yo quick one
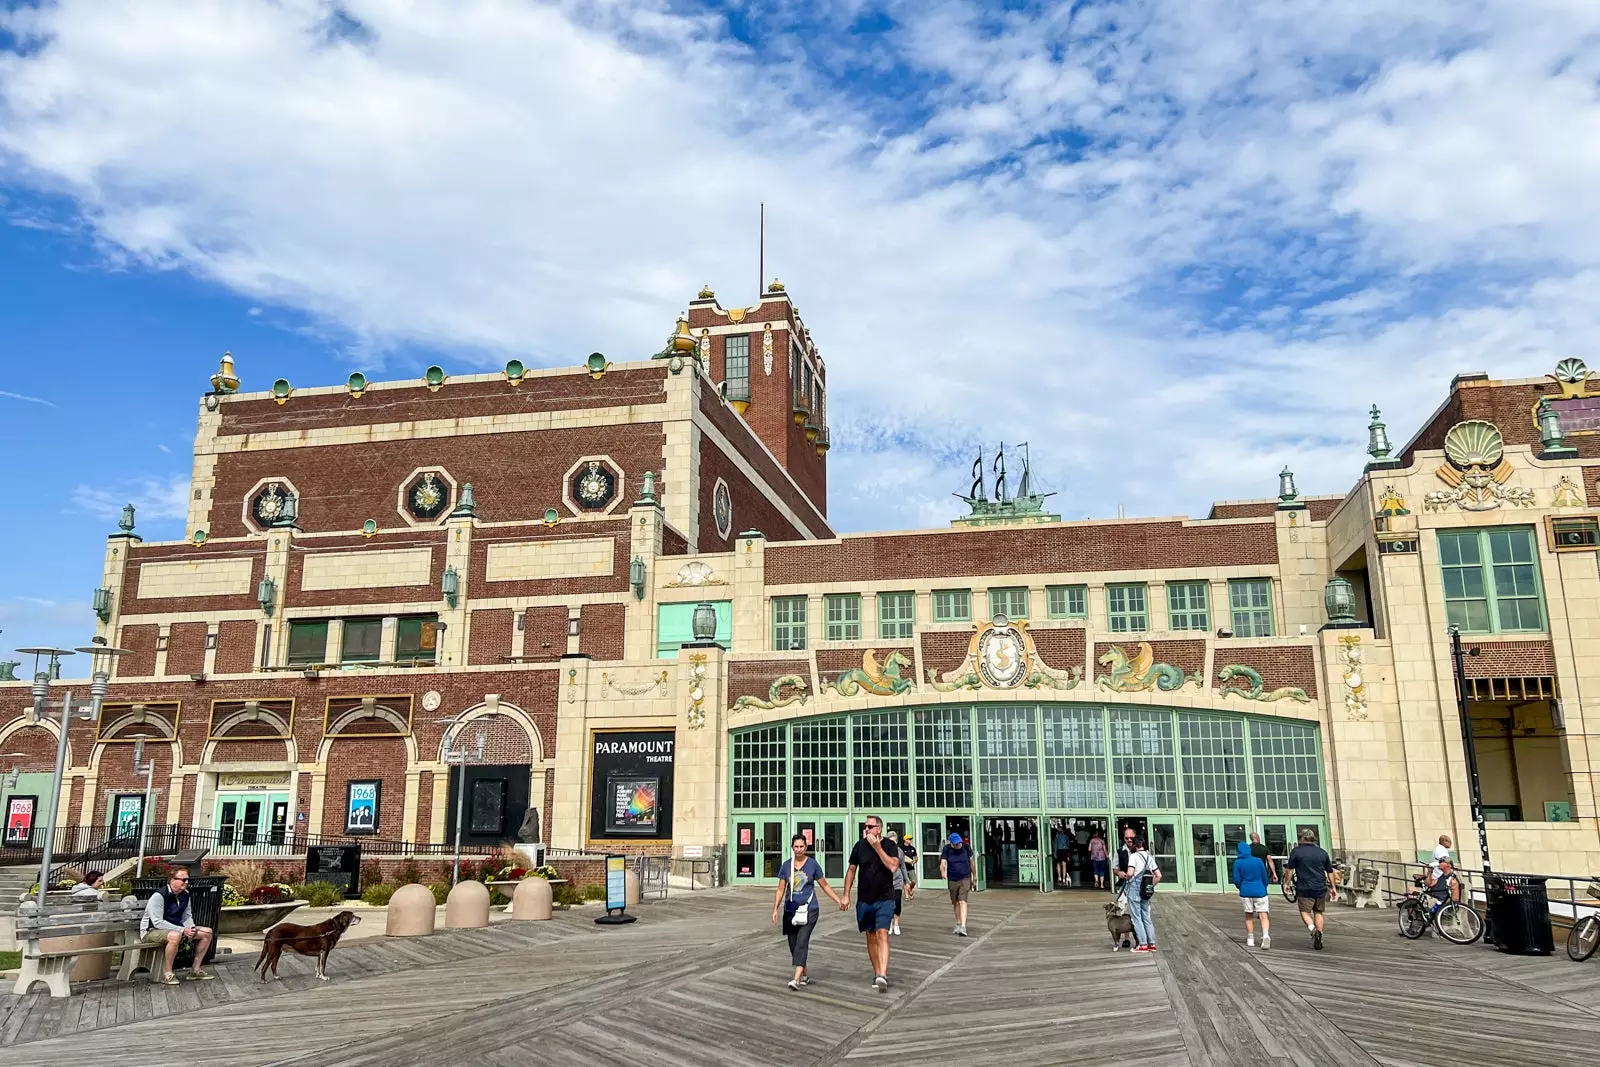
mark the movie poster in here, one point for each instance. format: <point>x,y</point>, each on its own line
<point>630,784</point>
<point>635,805</point>
<point>361,807</point>
<point>19,819</point>
<point>129,813</point>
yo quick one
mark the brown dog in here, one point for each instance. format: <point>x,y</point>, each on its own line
<point>1118,924</point>
<point>315,941</point>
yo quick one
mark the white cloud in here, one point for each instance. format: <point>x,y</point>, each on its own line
<point>29,399</point>
<point>156,499</point>
<point>1174,246</point>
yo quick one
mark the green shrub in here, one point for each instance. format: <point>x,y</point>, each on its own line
<point>497,898</point>
<point>594,892</point>
<point>378,894</point>
<point>441,891</point>
<point>319,894</point>
<point>409,873</point>
<point>568,894</point>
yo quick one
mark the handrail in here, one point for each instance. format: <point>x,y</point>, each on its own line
<point>1395,880</point>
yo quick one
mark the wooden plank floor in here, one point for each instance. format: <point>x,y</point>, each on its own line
<point>698,982</point>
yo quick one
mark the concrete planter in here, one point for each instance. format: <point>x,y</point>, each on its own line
<point>254,918</point>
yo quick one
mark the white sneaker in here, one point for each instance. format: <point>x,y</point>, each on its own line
<point>1266,943</point>
<point>962,929</point>
<point>881,984</point>
<point>894,928</point>
<point>1250,942</point>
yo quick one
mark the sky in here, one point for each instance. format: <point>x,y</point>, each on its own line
<point>1175,246</point>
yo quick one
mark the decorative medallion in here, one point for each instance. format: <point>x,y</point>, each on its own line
<point>695,573</point>
<point>268,505</point>
<point>1001,655</point>
<point>1355,697</point>
<point>431,700</point>
<point>879,680</point>
<point>1141,673</point>
<point>1568,494</point>
<point>595,486</point>
<point>1476,472</point>
<point>427,496</point>
<point>766,349</point>
<point>369,528</point>
<point>705,350</point>
<point>722,508</point>
<point>697,692</point>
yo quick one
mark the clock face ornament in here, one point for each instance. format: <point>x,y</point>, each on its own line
<point>594,486</point>
<point>269,504</point>
<point>722,509</point>
<point>428,496</point>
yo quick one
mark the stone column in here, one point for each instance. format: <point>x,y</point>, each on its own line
<point>699,806</point>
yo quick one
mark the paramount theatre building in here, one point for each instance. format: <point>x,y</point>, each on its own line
<point>622,577</point>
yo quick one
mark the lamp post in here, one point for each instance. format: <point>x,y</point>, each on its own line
<point>1458,658</point>
<point>461,757</point>
<point>149,769</point>
<point>99,683</point>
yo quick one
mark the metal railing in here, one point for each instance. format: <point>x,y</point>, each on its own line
<point>1391,881</point>
<point>653,872</point>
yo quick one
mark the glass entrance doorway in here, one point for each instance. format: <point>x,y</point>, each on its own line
<point>1071,842</point>
<point>933,833</point>
<point>1161,833</point>
<point>251,820</point>
<point>1011,855</point>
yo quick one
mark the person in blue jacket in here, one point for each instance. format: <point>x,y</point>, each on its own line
<point>1250,875</point>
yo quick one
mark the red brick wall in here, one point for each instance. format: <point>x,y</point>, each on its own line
<point>186,648</point>
<point>363,758</point>
<point>139,555</point>
<point>513,475</point>
<point>752,510</point>
<point>140,642</point>
<point>249,751</point>
<point>424,807</point>
<point>601,634</point>
<point>674,543</point>
<point>1061,648</point>
<point>1509,659</point>
<point>1318,507</point>
<point>491,635</point>
<point>31,750</point>
<point>615,582</point>
<point>236,646</point>
<point>746,443</point>
<point>1187,656</point>
<point>1509,407</point>
<point>1024,550</point>
<point>74,800</point>
<point>1278,667</point>
<point>456,400</point>
<point>1591,485</point>
<point>755,677</point>
<point>545,634</point>
<point>117,776</point>
<point>507,742</point>
<point>944,650</point>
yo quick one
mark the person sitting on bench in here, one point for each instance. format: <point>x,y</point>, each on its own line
<point>169,917</point>
<point>89,889</point>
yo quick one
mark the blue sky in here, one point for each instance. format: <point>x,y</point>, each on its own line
<point>1174,245</point>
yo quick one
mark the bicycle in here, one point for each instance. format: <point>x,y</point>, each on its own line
<point>1341,874</point>
<point>1457,922</point>
<point>1584,937</point>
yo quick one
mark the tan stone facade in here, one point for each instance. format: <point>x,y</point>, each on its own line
<point>343,646</point>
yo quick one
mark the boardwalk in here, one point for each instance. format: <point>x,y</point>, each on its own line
<point>698,982</point>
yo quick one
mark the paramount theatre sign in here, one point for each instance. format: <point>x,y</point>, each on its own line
<point>630,784</point>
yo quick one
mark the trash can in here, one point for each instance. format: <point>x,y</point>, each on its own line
<point>205,899</point>
<point>1519,914</point>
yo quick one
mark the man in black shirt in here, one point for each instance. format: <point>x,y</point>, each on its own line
<point>1123,857</point>
<point>1313,868</point>
<point>876,860</point>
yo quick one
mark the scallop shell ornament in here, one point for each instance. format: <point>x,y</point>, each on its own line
<point>1474,444</point>
<point>1571,370</point>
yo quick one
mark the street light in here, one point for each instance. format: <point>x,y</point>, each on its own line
<point>149,769</point>
<point>461,757</point>
<point>1458,657</point>
<point>99,683</point>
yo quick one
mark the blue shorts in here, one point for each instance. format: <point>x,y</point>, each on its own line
<point>1100,868</point>
<point>877,915</point>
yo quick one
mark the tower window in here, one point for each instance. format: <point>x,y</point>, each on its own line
<point>736,367</point>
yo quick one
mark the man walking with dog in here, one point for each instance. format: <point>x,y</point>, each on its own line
<point>169,917</point>
<point>1313,869</point>
<point>876,859</point>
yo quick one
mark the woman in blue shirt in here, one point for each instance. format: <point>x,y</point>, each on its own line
<point>798,880</point>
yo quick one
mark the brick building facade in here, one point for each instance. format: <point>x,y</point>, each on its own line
<point>623,578</point>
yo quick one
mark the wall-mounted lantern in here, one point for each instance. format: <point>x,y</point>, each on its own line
<point>450,586</point>
<point>102,603</point>
<point>636,577</point>
<point>705,622</point>
<point>267,595</point>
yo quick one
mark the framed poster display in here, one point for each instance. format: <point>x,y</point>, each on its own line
<point>361,806</point>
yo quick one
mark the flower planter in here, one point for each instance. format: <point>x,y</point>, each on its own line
<point>254,918</point>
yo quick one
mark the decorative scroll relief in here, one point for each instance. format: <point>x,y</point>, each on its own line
<point>1142,673</point>
<point>1254,689</point>
<point>522,561</point>
<point>697,691</point>
<point>1355,697</point>
<point>695,573</point>
<point>789,689</point>
<point>190,578</point>
<point>367,569</point>
<point>610,688</point>
<point>1477,471</point>
<point>1002,655</point>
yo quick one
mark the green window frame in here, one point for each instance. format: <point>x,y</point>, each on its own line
<point>736,366</point>
<point>881,750</point>
<point>1214,774</point>
<point>821,764</point>
<point>1008,758</point>
<point>1251,601</point>
<point>952,605</point>
<point>361,641</point>
<point>1012,602</point>
<point>1143,772</point>
<point>416,639</point>
<point>761,769</point>
<point>1491,580</point>
<point>675,626</point>
<point>943,739</point>
<point>1074,759</point>
<point>842,617</point>
<point>1285,766</point>
<point>788,623</point>
<point>1188,606</point>
<point>1128,608</point>
<point>308,641</point>
<point>1067,601</point>
<point>897,616</point>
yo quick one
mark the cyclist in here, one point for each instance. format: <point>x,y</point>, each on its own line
<point>1444,886</point>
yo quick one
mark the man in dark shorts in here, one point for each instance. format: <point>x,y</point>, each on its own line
<point>1312,869</point>
<point>876,859</point>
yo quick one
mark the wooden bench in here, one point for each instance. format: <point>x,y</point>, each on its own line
<point>119,919</point>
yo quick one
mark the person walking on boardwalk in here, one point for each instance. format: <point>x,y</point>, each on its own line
<point>899,885</point>
<point>1097,859</point>
<point>1138,893</point>
<point>798,880</point>
<point>1312,869</point>
<point>955,867</point>
<point>1250,875</point>
<point>1264,854</point>
<point>876,859</point>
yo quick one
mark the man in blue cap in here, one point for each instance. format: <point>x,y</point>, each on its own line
<point>955,867</point>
